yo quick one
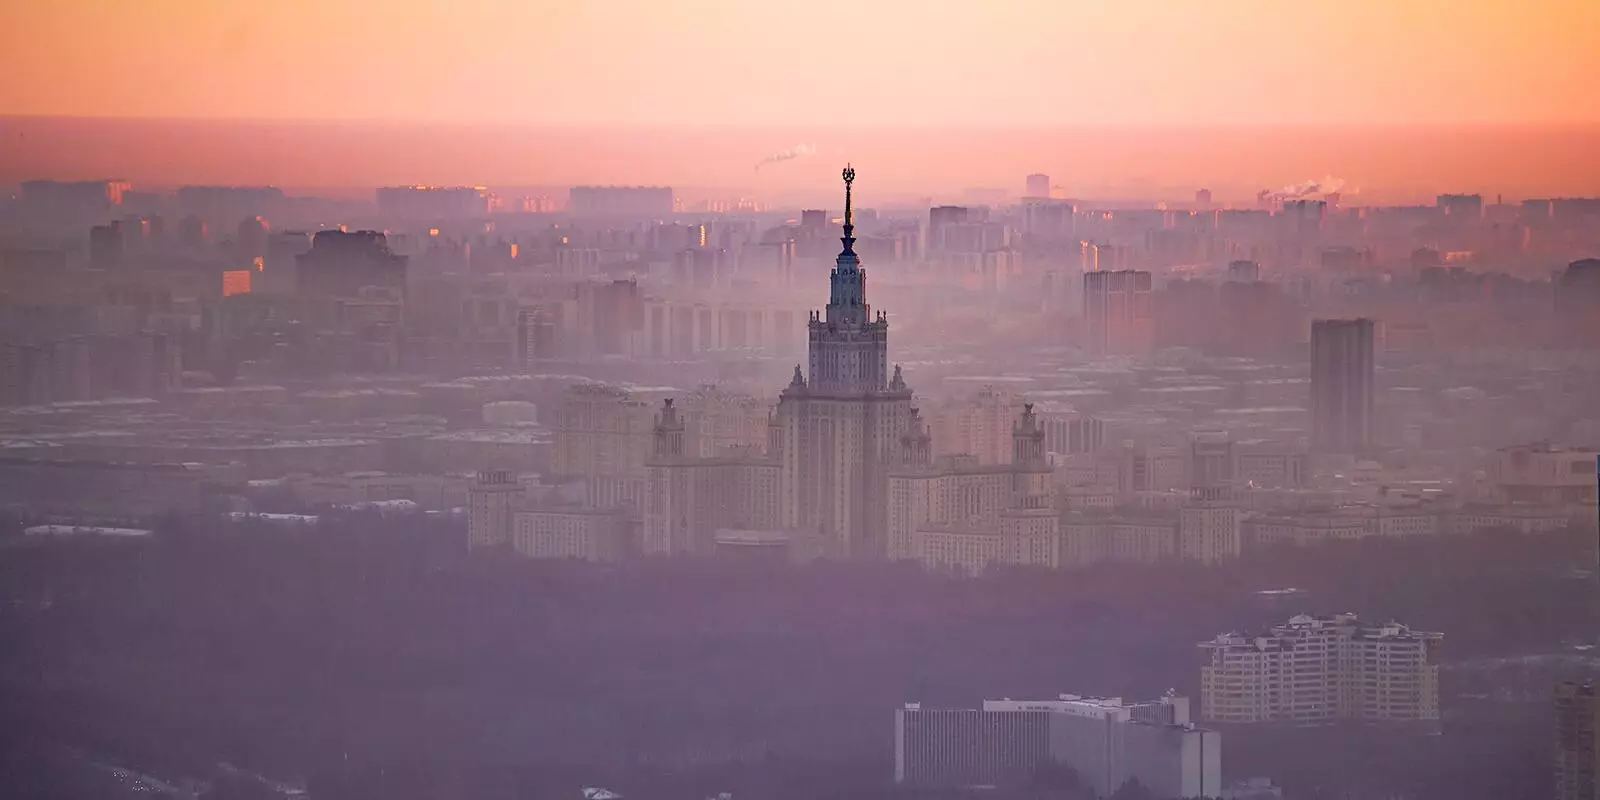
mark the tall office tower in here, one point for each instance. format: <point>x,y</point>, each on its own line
<point>1577,746</point>
<point>1342,384</point>
<point>491,501</point>
<point>1316,670</point>
<point>841,425</point>
<point>1116,313</point>
<point>1038,185</point>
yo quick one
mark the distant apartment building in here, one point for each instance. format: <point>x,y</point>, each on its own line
<point>603,437</point>
<point>74,201</point>
<point>1346,523</point>
<point>1117,316</point>
<point>1271,464</point>
<point>340,265</point>
<point>502,514</point>
<point>941,219</point>
<point>1460,209</point>
<point>606,436</point>
<point>1128,538</point>
<point>1106,741</point>
<point>620,201</point>
<point>1544,474</point>
<point>92,367</point>
<point>227,205</point>
<point>978,425</point>
<point>1524,519</point>
<point>1069,432</point>
<point>1577,756</point>
<point>1321,670</point>
<point>432,202</point>
<point>1343,385</point>
<point>1576,298</point>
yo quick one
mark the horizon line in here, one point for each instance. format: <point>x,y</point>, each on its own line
<point>913,125</point>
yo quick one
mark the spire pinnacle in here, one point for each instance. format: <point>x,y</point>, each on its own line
<point>849,238</point>
<point>849,178</point>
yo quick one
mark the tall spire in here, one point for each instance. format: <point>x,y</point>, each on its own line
<point>849,238</point>
<point>847,298</point>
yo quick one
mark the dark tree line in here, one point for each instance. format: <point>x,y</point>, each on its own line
<point>366,647</point>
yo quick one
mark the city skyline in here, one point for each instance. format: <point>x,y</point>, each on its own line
<point>418,400</point>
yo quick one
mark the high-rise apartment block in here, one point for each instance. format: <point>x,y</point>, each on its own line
<point>1321,670</point>
<point>1116,313</point>
<point>1343,384</point>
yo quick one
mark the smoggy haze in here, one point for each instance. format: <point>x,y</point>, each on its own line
<point>736,62</point>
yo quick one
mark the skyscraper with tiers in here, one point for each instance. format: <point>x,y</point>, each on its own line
<point>839,430</point>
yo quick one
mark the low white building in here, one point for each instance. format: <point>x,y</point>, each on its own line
<point>1107,741</point>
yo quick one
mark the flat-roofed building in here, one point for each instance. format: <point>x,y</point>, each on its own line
<point>1321,670</point>
<point>1107,741</point>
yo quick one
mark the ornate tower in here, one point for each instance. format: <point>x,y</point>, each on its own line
<point>849,346</point>
<point>1030,472</point>
<point>842,424</point>
<point>669,518</point>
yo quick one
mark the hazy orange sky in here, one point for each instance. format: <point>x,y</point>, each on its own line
<point>864,62</point>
